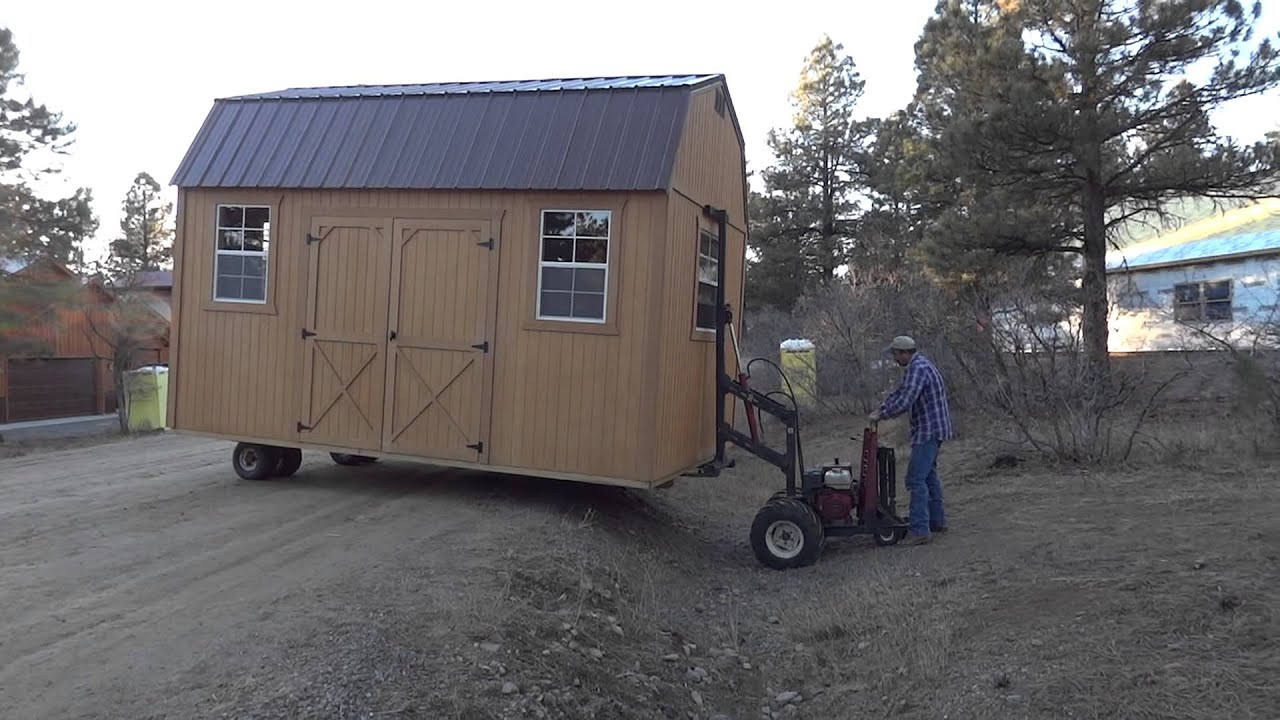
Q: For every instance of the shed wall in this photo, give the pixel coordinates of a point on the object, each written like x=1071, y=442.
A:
x=567, y=398
x=710, y=169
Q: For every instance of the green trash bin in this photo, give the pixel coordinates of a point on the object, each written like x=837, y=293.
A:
x=146, y=395
x=800, y=363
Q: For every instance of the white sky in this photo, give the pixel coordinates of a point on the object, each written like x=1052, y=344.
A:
x=138, y=76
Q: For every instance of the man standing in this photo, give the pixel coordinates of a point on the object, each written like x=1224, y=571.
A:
x=924, y=393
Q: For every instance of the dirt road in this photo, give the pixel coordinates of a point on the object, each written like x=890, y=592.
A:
x=144, y=578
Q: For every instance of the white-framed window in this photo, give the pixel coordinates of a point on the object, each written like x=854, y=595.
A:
x=1202, y=301
x=708, y=280
x=573, y=267
x=240, y=267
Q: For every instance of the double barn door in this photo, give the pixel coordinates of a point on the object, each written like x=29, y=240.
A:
x=399, y=335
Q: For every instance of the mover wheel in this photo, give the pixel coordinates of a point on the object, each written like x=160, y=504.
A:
x=345, y=459
x=887, y=536
x=255, y=462
x=786, y=534
x=290, y=461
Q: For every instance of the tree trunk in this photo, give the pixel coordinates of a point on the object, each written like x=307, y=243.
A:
x=1094, y=283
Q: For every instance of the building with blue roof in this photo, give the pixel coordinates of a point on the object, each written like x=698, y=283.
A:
x=1213, y=280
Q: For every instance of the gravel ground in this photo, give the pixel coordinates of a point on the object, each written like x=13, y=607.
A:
x=141, y=579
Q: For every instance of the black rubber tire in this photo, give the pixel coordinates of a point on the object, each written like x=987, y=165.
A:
x=255, y=462
x=888, y=536
x=799, y=516
x=290, y=461
x=346, y=459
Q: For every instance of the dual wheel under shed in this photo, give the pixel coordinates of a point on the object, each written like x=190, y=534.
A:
x=264, y=462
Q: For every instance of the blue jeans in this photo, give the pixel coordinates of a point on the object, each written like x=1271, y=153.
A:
x=926, y=489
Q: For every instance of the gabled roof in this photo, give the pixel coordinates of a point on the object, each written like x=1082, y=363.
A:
x=1248, y=231
x=154, y=279
x=613, y=133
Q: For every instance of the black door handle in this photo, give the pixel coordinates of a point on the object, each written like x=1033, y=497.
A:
x=393, y=335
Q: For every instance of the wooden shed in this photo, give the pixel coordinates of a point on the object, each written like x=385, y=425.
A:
x=512, y=276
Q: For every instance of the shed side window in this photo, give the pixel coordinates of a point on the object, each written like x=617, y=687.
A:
x=243, y=234
x=708, y=265
x=1202, y=301
x=573, y=271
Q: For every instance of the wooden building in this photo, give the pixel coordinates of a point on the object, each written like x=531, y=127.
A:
x=62, y=364
x=513, y=276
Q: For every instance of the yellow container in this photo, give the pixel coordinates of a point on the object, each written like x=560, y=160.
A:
x=147, y=393
x=800, y=363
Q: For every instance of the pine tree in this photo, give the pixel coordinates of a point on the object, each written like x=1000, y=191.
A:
x=32, y=227
x=1055, y=121
x=807, y=214
x=146, y=241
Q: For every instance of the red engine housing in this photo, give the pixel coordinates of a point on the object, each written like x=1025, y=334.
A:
x=833, y=505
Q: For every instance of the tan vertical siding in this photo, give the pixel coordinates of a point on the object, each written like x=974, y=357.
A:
x=565, y=399
x=710, y=169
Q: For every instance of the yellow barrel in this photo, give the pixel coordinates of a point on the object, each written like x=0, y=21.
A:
x=147, y=393
x=800, y=363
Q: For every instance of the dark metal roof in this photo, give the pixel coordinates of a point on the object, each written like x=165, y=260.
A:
x=576, y=134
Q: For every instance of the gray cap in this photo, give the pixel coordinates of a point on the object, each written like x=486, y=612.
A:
x=902, y=342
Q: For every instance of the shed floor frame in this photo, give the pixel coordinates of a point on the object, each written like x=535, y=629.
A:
x=660, y=483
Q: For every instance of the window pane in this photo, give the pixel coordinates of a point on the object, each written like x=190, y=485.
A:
x=253, y=240
x=589, y=280
x=1217, y=290
x=254, y=267
x=557, y=278
x=230, y=265
x=231, y=216
x=706, y=294
x=588, y=305
x=557, y=250
x=1186, y=313
x=706, y=316
x=592, y=251
x=1187, y=293
x=593, y=224
x=1219, y=310
x=254, y=289
x=557, y=223
x=707, y=244
x=706, y=270
x=555, y=304
x=228, y=288
x=230, y=239
x=256, y=218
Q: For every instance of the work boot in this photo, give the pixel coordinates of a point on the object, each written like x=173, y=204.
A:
x=939, y=529
x=913, y=539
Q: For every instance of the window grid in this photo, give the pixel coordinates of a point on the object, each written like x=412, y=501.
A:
x=708, y=280
x=573, y=265
x=243, y=240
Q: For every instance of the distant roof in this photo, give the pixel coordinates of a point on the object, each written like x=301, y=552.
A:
x=610, y=133
x=1247, y=231
x=12, y=265
x=154, y=279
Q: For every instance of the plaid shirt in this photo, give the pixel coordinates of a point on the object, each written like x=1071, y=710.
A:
x=925, y=393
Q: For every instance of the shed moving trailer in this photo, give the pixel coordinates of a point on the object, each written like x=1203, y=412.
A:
x=508, y=276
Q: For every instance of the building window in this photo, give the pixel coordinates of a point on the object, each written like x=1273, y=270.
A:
x=573, y=270
x=241, y=264
x=1202, y=301
x=708, y=266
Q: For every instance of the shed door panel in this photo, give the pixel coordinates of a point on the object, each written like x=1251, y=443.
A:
x=345, y=358
x=40, y=389
x=443, y=297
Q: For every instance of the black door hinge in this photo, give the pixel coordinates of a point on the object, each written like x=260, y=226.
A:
x=483, y=347
x=306, y=333
x=478, y=447
x=487, y=243
x=312, y=239
x=302, y=427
